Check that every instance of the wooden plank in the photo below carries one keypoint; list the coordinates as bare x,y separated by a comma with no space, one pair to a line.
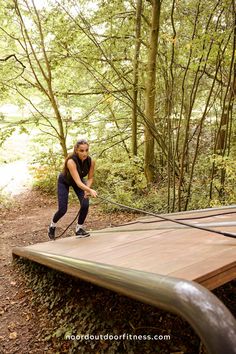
201,270
163,248
222,277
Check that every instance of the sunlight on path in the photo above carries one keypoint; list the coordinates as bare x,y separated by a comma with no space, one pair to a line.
15,177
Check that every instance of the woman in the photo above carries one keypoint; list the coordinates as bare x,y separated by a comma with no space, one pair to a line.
77,165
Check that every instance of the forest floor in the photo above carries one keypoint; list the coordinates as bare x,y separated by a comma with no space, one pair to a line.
26,320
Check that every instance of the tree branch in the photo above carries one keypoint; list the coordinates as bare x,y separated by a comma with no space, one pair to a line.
14,56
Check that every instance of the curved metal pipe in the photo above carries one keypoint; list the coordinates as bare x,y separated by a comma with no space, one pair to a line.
208,316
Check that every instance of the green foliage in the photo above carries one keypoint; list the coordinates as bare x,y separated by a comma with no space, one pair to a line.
44,178
5,133
87,55
122,180
67,305
224,189
13,145
46,164
5,201
119,178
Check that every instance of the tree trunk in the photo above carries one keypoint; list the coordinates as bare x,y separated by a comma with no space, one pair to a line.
150,92
223,136
136,77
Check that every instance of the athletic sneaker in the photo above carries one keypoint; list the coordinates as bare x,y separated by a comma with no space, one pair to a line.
82,233
51,232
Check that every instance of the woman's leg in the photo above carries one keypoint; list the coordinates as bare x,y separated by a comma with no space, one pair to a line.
62,195
84,205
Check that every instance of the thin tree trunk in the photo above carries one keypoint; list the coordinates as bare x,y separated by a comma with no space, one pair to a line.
184,148
222,142
151,91
136,77
195,87
171,171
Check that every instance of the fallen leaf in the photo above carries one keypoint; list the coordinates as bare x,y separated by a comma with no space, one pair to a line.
13,335
12,325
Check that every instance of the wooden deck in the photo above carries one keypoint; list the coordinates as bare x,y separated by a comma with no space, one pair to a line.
165,248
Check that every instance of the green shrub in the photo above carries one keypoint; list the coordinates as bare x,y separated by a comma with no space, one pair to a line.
224,192
45,169
5,200
123,181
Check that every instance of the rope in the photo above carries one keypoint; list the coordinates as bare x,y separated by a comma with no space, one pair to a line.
188,218
163,218
228,234
69,225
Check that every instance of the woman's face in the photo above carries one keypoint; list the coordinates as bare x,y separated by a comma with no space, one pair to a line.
82,151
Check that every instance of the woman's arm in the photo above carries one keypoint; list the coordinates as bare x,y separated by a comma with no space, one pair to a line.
91,174
74,173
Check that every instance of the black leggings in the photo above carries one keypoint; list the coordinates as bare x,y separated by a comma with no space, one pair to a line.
63,193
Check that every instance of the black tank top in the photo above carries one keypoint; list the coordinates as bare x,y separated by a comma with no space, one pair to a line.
82,167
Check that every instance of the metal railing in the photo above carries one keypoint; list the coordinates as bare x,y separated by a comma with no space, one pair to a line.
211,320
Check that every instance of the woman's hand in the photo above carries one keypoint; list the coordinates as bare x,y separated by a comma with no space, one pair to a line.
91,193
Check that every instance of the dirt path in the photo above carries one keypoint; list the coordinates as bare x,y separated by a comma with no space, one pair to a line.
26,223
15,177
